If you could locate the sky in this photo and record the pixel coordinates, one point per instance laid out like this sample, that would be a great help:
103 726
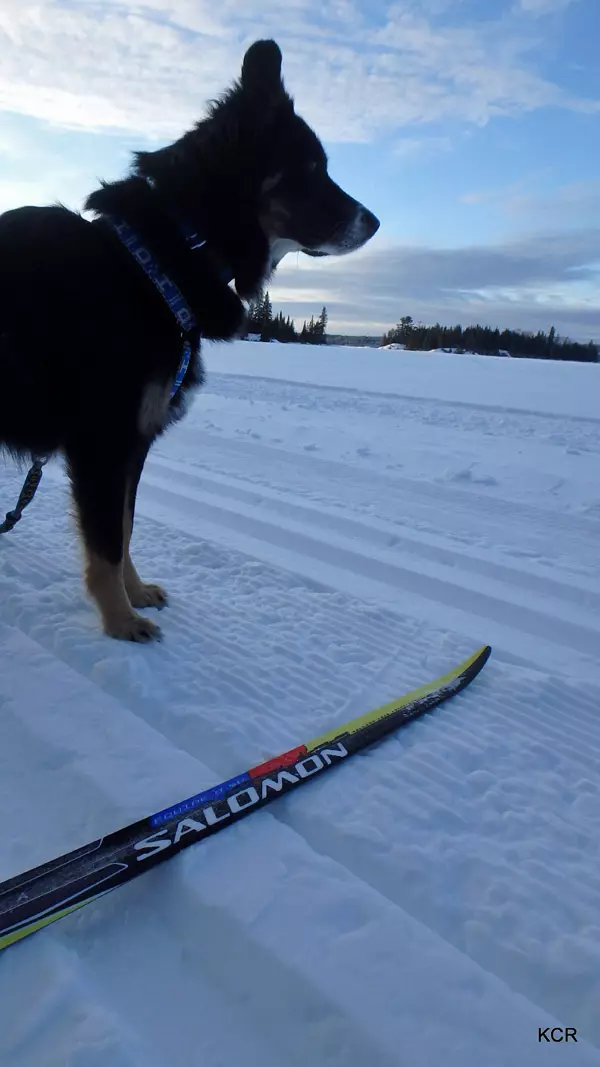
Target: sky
470 127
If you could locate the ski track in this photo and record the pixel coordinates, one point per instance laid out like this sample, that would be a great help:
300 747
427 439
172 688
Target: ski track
440 893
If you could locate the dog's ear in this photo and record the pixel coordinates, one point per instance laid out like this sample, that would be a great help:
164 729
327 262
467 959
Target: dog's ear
261 70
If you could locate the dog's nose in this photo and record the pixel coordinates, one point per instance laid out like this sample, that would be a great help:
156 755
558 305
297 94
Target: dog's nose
370 223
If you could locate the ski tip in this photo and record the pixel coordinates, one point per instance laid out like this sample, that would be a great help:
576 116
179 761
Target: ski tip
471 667
486 652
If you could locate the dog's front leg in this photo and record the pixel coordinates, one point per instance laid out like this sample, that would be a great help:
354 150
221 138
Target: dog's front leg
141 594
99 483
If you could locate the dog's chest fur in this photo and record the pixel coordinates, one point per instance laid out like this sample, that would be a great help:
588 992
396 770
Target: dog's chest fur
156 411
153 413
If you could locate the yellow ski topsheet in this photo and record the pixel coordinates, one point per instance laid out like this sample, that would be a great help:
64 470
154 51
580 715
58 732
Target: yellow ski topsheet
38 924
361 721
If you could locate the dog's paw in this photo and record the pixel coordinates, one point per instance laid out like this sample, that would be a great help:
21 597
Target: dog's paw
134 628
144 595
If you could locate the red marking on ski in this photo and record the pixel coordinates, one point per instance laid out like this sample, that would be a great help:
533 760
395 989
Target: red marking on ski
279 761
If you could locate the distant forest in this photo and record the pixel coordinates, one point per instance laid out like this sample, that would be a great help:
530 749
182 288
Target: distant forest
262 322
269 327
488 342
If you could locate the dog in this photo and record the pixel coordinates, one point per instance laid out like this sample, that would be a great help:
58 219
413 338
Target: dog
101 318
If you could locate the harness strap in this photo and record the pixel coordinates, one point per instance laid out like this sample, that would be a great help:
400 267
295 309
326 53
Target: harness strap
170 292
167 288
182 312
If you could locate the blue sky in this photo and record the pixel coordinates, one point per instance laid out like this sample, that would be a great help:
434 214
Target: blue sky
471 128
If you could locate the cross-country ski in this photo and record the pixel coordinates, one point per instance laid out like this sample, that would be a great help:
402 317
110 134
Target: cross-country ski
39 897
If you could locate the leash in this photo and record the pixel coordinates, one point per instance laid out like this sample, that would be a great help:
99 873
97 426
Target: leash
33 479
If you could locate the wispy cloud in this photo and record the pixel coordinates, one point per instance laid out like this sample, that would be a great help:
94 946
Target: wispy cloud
543 7
148 66
570 205
409 149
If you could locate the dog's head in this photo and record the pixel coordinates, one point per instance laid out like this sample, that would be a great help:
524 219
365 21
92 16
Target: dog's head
301 207
252 178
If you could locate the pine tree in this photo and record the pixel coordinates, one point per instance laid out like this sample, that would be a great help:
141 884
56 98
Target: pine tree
266 318
254 317
319 328
404 333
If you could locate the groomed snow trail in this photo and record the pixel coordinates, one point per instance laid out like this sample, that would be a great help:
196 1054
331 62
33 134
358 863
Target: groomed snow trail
334 528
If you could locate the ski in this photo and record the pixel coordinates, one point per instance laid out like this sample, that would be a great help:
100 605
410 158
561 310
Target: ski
46 893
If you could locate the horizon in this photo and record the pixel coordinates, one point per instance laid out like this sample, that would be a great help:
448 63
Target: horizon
473 137
420 324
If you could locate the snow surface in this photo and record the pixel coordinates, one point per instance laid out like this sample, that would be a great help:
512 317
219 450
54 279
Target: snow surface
334 526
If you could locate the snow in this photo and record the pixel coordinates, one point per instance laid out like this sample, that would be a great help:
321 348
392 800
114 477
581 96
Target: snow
334 527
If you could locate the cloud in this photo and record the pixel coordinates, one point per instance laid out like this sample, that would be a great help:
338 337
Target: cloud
103 68
11 145
542 279
148 66
543 7
409 149
571 205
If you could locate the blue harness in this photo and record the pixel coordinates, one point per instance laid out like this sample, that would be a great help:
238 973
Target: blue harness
172 295
175 301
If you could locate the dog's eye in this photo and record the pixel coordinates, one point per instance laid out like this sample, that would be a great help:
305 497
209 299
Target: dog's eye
312 166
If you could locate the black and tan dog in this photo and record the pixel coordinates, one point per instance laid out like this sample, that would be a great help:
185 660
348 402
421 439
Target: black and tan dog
92 353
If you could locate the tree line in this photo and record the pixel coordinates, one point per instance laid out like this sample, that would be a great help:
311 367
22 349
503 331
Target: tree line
488 342
261 321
